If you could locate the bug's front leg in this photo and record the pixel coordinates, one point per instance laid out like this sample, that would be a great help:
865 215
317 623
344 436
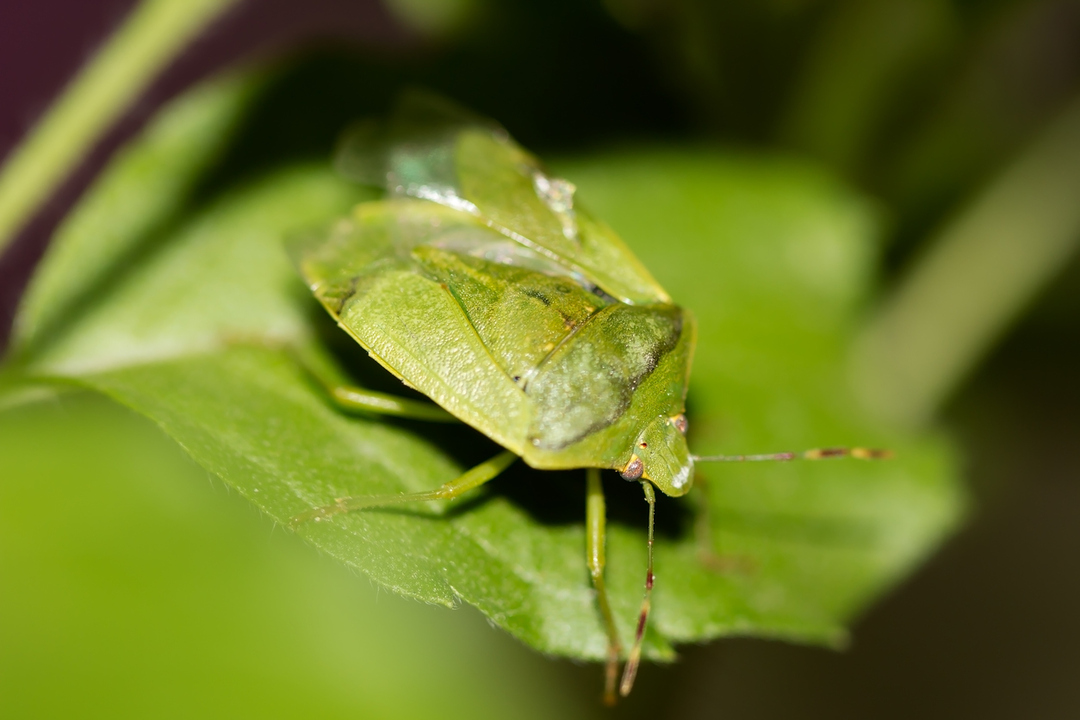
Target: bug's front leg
595 535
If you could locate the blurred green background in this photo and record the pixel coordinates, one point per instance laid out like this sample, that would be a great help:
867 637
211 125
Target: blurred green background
139 587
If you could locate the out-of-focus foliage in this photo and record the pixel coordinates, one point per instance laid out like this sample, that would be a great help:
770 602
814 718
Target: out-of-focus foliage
919 99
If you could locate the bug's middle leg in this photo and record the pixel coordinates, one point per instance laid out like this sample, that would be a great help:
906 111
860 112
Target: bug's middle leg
351 398
595 536
472 478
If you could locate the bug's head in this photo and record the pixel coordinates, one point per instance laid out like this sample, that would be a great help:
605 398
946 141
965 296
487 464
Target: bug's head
662 456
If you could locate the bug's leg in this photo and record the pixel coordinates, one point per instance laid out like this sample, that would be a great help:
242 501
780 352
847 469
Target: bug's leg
350 397
634 660
326 372
595 535
472 478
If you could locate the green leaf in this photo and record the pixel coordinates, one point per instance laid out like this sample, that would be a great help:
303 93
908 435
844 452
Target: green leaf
773 258
219 279
153 592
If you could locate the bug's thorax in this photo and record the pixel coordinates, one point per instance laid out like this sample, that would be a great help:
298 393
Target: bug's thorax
662 456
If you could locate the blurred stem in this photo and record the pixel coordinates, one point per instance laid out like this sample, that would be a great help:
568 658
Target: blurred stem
17 390
151 36
857 71
978 275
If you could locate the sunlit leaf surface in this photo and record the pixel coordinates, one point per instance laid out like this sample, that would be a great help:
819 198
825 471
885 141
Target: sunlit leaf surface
189 325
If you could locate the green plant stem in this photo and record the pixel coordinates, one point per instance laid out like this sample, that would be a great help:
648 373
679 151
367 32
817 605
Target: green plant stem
153 34
978 275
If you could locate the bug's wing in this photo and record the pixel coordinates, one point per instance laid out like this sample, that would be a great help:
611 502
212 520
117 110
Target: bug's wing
366 275
412 149
434 151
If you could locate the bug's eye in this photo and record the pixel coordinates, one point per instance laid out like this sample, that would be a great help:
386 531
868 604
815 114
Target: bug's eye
681 423
634 470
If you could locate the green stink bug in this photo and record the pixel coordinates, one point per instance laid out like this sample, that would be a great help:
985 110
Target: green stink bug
482 283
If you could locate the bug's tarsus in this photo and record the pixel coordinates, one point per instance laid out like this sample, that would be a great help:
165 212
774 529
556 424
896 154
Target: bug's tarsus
471 478
611 675
313 515
634 661
860 453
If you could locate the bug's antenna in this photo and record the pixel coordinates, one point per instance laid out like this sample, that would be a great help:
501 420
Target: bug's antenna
859 453
632 663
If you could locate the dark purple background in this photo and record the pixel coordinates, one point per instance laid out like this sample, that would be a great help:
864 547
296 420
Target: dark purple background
43 43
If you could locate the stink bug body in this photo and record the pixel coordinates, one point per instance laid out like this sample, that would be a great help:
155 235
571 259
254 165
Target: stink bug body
483 284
